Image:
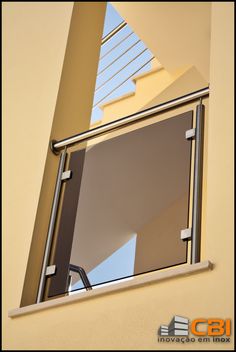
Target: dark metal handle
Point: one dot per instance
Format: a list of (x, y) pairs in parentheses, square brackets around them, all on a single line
[(79, 270)]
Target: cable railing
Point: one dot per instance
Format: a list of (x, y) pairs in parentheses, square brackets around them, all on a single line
[(113, 32), (116, 46), (123, 82), (118, 57), (121, 69), (129, 61)]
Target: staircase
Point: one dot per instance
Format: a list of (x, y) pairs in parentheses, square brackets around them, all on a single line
[(152, 88), (131, 79)]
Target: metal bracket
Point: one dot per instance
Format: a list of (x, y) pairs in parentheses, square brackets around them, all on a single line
[(186, 234), (66, 175), (190, 134), (51, 270)]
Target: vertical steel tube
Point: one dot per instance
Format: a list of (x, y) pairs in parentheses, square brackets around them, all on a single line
[(51, 225), (197, 185)]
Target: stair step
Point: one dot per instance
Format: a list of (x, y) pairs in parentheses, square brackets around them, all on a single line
[(134, 79), (115, 100), (145, 74)]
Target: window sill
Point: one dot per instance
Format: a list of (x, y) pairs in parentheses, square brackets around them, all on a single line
[(149, 278)]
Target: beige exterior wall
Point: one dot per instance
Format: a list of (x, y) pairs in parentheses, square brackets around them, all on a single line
[(128, 319), (34, 48)]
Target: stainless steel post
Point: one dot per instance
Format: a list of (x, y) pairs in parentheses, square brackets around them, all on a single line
[(52, 221), (197, 185)]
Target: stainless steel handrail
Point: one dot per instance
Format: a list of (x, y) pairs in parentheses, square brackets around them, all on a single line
[(113, 32), (119, 85), (128, 120), (118, 57), (121, 69)]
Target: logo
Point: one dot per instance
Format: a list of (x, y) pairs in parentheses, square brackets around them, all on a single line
[(177, 327), (201, 329)]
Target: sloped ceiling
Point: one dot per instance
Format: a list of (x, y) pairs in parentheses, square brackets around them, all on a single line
[(178, 33)]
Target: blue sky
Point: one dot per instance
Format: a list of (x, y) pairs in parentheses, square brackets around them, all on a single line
[(120, 264), (112, 19)]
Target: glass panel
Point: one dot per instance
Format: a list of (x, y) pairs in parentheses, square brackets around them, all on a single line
[(125, 206)]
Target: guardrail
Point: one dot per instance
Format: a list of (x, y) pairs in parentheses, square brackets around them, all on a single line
[(133, 58)]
